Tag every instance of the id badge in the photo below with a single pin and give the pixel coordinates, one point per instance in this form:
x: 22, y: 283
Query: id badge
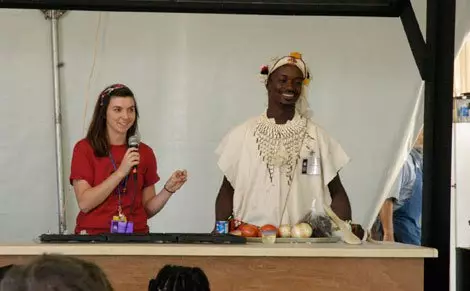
x: 122, y: 226
x: 311, y: 165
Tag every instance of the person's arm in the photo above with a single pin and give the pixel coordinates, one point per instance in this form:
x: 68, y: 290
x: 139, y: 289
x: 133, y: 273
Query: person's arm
x: 154, y: 203
x: 386, y: 219
x: 386, y: 211
x: 224, y: 201
x: 339, y: 199
x: 89, y: 197
x: 341, y: 206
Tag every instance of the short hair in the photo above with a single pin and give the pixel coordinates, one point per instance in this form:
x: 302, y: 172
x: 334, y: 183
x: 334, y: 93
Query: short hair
x: 56, y: 272
x: 179, y: 278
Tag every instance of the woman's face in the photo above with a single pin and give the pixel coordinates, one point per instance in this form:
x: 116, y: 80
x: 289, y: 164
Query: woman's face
x: 120, y: 115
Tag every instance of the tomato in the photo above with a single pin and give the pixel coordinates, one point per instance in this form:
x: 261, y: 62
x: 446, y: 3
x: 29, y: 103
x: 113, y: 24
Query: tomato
x: 234, y: 224
x: 267, y: 227
x: 236, y: 232
x: 231, y: 225
x: 249, y: 230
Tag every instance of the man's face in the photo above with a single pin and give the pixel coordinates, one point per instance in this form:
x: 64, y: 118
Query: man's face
x: 285, y: 85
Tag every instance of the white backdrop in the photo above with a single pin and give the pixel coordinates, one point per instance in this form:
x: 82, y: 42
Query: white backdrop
x: 195, y: 77
x: 28, y: 199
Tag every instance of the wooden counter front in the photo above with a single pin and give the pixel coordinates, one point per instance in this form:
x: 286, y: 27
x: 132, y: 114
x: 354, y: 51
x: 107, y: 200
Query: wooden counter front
x: 317, y: 267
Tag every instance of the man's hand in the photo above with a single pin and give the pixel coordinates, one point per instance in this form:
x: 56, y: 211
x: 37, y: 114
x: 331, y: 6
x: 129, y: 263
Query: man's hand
x: 357, y: 230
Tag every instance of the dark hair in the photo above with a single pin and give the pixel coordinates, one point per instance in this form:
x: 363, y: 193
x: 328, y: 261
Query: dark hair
x: 4, y: 270
x: 179, y: 278
x: 56, y: 272
x: 97, y: 134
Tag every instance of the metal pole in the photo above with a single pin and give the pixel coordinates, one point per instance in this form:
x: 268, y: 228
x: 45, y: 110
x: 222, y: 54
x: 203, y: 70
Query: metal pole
x: 436, y: 219
x: 54, y: 16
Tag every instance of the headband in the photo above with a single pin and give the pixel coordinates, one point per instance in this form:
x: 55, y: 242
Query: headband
x: 109, y: 90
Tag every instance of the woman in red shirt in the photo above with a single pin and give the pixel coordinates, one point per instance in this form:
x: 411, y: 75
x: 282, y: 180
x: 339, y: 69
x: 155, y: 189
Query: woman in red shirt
x: 101, y: 174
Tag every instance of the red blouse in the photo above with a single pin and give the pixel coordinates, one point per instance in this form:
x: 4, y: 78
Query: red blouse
x: 86, y: 166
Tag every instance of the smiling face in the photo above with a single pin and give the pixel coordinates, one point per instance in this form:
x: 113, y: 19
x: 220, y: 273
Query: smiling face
x: 114, y: 119
x: 285, y: 85
x: 120, y: 115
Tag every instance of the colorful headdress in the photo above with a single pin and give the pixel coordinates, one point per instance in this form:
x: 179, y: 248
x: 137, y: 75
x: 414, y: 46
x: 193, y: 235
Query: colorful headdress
x: 295, y: 59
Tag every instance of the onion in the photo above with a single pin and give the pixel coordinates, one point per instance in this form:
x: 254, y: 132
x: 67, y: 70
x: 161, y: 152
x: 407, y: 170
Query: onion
x: 284, y: 230
x: 301, y: 230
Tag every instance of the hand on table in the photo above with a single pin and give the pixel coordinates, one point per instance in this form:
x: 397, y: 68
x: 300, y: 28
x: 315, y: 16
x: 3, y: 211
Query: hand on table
x: 388, y: 237
x: 357, y: 230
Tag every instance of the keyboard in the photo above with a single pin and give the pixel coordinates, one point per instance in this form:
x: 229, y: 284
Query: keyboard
x: 154, y: 238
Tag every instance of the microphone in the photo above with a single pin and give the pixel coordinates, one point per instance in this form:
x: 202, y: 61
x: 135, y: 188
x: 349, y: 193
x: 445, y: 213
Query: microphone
x: 134, y: 142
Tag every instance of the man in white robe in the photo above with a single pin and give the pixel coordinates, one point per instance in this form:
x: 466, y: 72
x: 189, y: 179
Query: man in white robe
x: 280, y: 166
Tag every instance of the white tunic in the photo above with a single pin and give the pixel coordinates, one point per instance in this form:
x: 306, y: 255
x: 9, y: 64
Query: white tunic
x: 263, y: 199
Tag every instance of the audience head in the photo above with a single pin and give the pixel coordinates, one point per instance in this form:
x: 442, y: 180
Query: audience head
x: 4, y: 270
x: 56, y: 272
x: 179, y: 278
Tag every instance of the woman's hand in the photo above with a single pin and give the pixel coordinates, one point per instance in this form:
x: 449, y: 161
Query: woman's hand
x: 131, y: 158
x: 177, y: 179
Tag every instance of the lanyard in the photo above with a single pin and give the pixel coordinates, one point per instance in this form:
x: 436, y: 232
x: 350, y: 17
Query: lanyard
x: 122, y: 187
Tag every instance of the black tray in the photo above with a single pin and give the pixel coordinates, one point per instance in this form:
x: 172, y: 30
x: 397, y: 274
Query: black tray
x: 210, y: 238
x: 184, y: 238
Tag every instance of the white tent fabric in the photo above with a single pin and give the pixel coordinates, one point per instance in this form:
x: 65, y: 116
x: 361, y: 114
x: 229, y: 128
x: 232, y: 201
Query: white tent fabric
x: 195, y: 77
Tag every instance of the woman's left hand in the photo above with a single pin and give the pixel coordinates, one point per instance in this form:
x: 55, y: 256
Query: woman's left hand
x: 177, y: 179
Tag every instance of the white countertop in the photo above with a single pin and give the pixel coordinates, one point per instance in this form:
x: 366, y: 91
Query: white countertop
x: 339, y: 249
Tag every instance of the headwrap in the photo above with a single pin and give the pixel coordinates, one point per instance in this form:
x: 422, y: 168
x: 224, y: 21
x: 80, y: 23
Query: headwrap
x: 294, y: 59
